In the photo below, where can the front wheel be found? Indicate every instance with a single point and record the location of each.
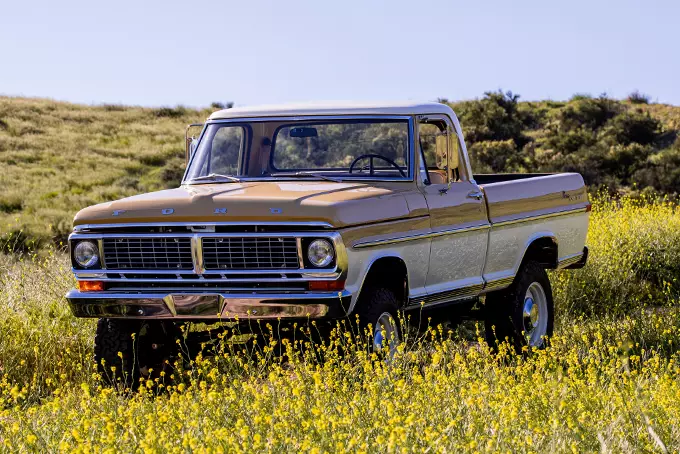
(127, 350)
(379, 319)
(523, 314)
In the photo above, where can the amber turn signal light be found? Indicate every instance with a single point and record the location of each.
(326, 286)
(90, 286)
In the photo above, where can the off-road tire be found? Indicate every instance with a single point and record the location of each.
(504, 309)
(151, 351)
(371, 305)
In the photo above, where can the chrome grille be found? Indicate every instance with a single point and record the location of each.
(148, 253)
(250, 253)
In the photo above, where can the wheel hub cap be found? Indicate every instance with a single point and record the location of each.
(386, 334)
(535, 315)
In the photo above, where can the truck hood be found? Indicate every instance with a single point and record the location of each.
(338, 204)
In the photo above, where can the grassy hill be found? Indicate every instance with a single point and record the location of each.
(58, 157)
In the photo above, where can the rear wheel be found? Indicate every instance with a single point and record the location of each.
(127, 350)
(524, 313)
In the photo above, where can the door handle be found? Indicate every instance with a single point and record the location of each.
(476, 195)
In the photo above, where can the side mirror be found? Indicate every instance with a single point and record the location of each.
(443, 154)
(190, 143)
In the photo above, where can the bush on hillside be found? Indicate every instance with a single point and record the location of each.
(591, 113)
(170, 112)
(496, 117)
(493, 156)
(638, 98)
(221, 105)
(633, 127)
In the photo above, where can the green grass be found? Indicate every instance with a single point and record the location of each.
(609, 381)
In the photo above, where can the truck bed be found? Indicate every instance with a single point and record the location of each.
(524, 207)
(515, 196)
(486, 178)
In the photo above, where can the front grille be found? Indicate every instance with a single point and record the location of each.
(250, 253)
(148, 253)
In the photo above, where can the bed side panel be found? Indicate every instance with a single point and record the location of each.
(518, 198)
(522, 211)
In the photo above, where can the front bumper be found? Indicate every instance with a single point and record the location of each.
(210, 306)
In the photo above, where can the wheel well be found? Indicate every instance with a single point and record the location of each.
(391, 273)
(542, 250)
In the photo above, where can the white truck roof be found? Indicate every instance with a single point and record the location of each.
(336, 108)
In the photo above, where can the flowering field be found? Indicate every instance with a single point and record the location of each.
(608, 382)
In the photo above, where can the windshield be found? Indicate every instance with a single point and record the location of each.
(325, 149)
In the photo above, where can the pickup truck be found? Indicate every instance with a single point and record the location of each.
(323, 212)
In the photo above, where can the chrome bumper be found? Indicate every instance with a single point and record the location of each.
(214, 306)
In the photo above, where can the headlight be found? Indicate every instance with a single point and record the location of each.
(320, 253)
(86, 254)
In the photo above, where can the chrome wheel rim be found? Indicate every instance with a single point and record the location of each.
(386, 334)
(535, 315)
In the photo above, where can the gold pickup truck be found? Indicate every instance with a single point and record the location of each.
(300, 212)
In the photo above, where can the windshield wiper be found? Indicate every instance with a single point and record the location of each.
(214, 176)
(306, 174)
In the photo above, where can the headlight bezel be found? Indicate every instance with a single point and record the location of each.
(94, 258)
(329, 260)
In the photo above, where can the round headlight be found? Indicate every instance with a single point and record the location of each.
(320, 253)
(86, 254)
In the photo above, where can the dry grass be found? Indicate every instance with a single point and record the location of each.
(58, 158)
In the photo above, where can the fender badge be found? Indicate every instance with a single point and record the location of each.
(118, 212)
(168, 210)
(275, 210)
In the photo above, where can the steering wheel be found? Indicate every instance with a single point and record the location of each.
(371, 168)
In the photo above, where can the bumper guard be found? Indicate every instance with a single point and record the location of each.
(213, 306)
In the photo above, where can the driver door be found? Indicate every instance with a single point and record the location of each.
(458, 217)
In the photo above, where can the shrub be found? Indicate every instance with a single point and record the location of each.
(496, 117)
(11, 203)
(580, 96)
(592, 113)
(495, 155)
(152, 159)
(571, 141)
(171, 112)
(222, 105)
(638, 98)
(114, 108)
(633, 127)
(172, 173)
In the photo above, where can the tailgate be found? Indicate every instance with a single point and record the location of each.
(535, 196)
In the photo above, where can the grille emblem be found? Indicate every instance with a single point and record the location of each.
(168, 210)
(275, 210)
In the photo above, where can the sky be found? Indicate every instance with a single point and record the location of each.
(165, 53)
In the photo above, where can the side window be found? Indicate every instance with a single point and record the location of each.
(437, 141)
(226, 150)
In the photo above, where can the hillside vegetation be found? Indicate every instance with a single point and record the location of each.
(58, 157)
(608, 382)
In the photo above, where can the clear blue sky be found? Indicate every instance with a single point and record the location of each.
(251, 52)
